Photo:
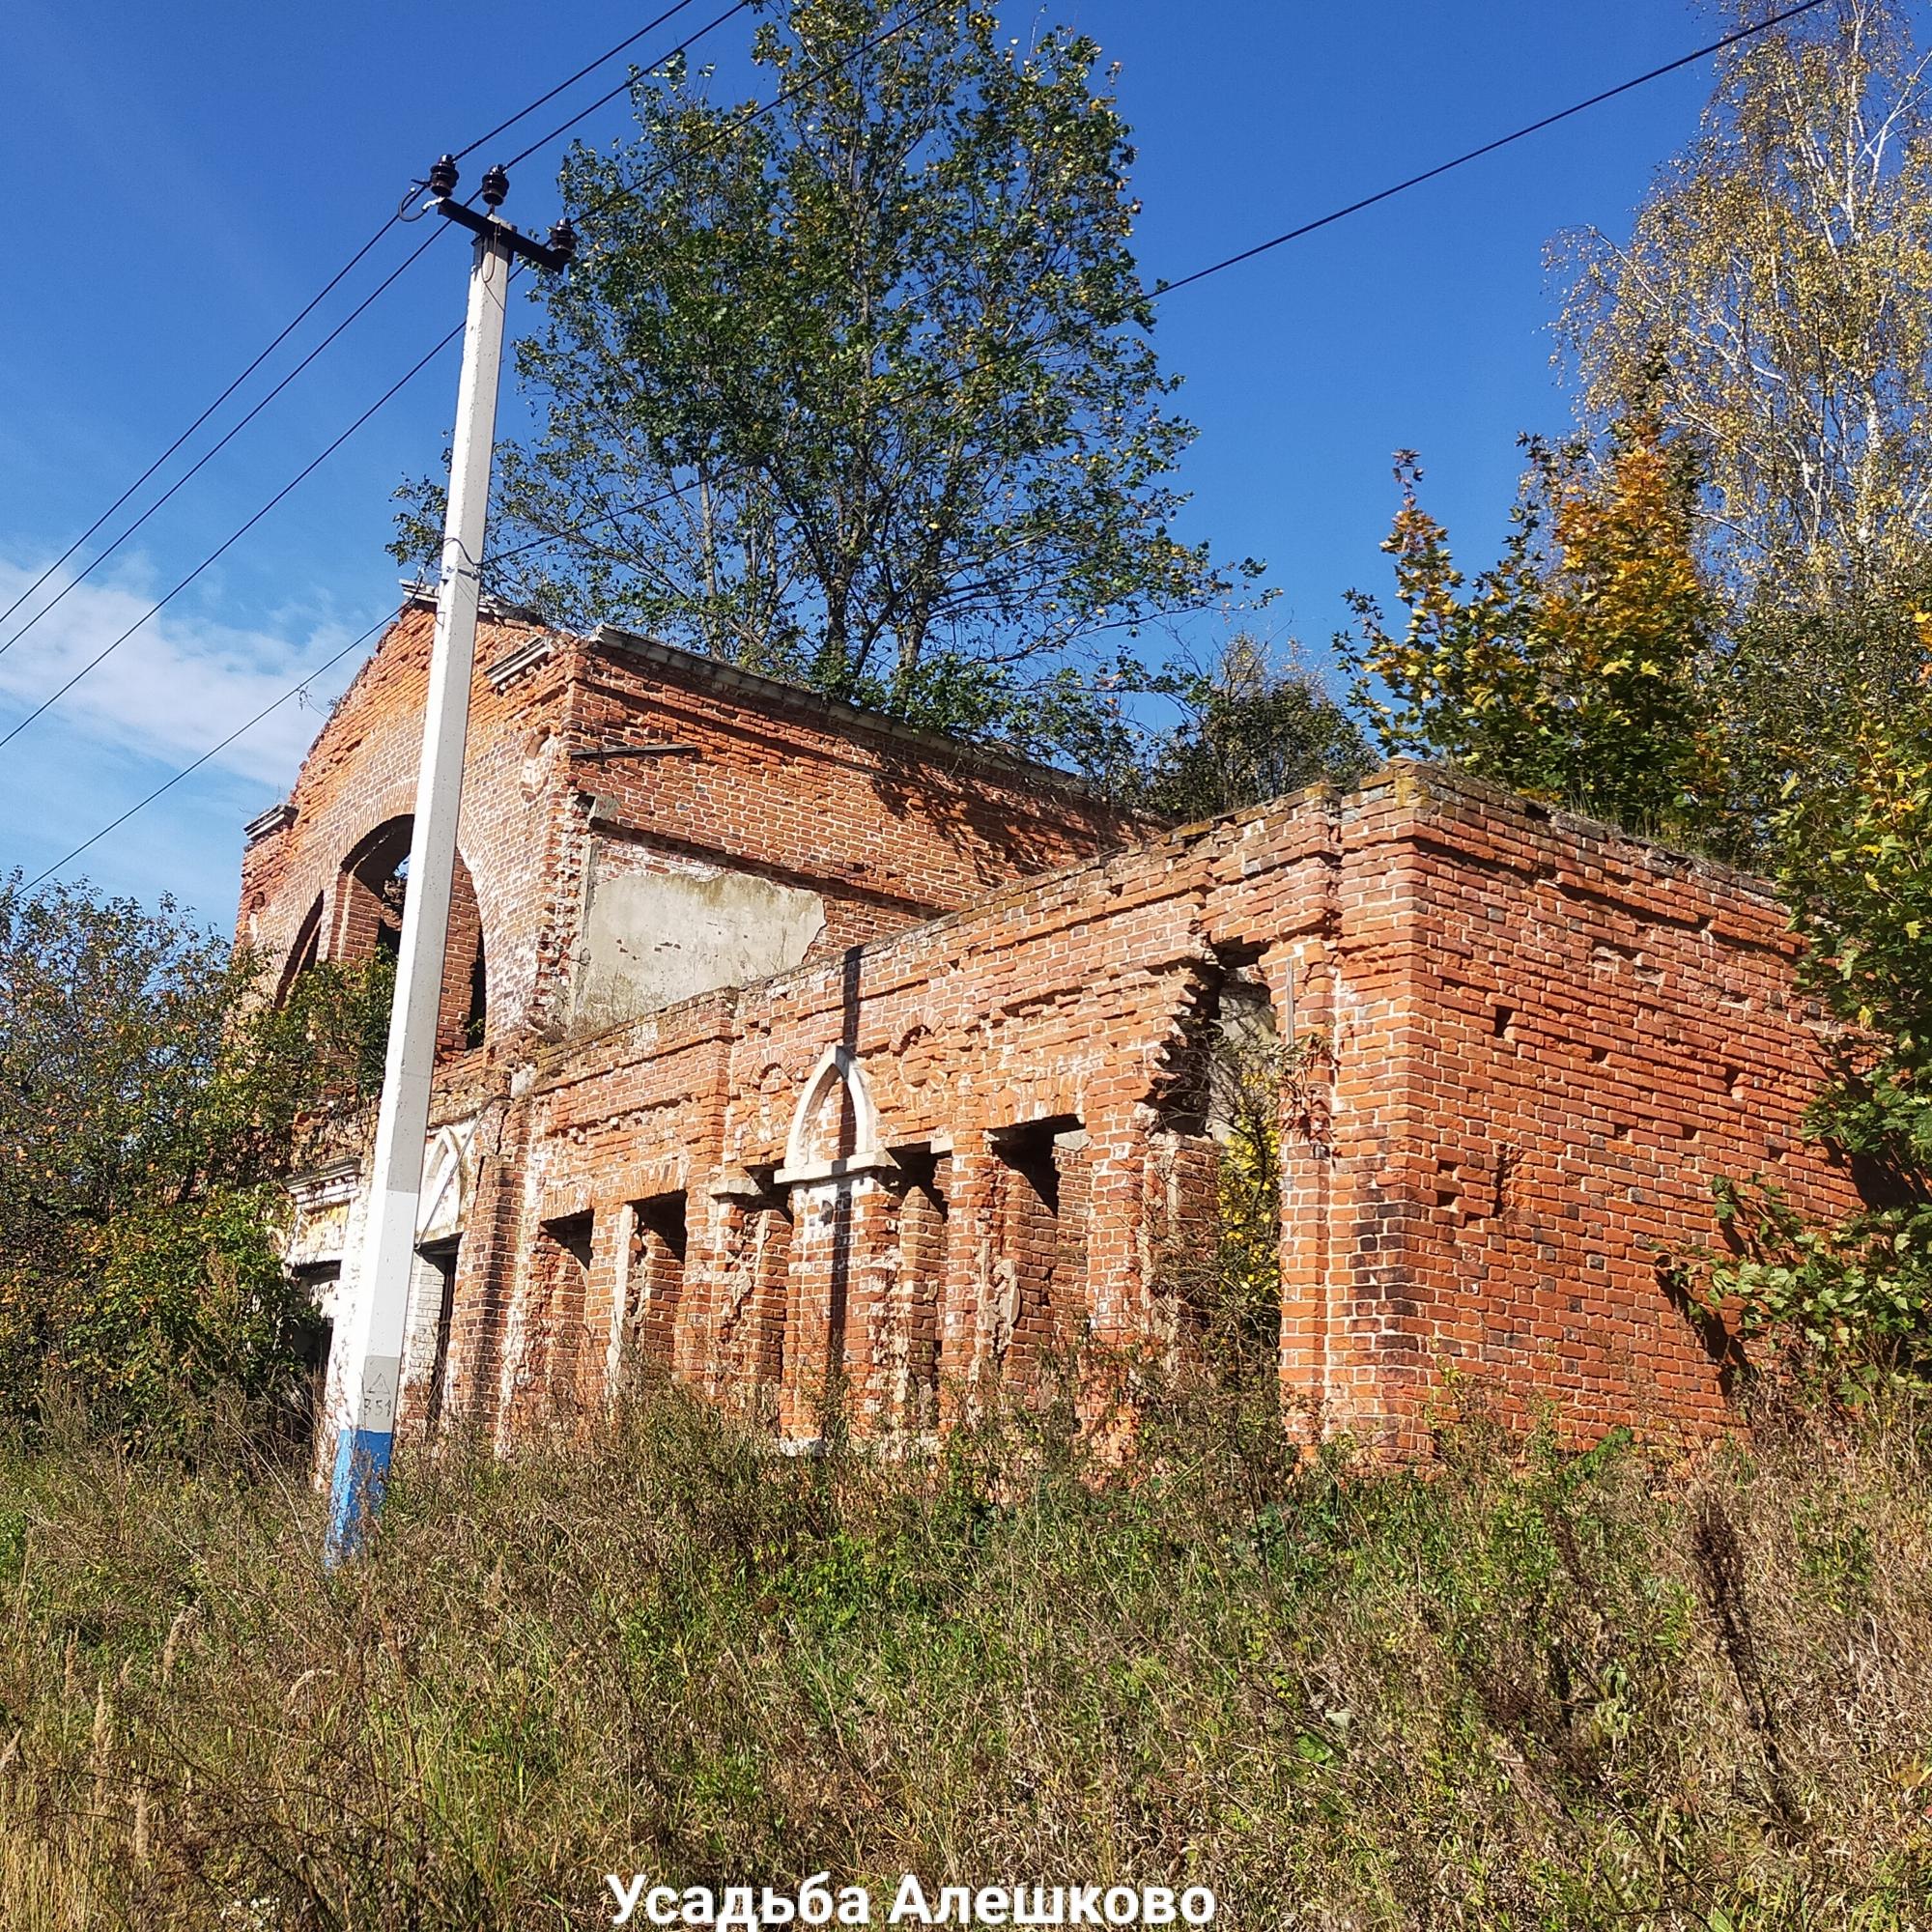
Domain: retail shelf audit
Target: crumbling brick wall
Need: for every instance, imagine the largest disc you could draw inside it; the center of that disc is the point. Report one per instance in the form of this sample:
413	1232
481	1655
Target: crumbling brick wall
602	758
1577	1032
936	1154
1533	1043
597	764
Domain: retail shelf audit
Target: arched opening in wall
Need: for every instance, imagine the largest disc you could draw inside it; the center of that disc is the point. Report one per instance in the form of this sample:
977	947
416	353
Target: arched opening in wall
303	954
372	890
1216	1184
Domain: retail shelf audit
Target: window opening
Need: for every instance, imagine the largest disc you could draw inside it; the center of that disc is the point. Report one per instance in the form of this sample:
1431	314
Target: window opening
1039	1268
565	1282
438	1278
658	1241
924	1233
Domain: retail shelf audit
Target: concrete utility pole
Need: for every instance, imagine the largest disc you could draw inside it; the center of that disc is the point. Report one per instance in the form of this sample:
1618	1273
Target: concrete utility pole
372	1347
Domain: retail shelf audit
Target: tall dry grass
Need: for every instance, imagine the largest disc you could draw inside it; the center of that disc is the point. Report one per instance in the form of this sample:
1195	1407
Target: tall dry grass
1525	1688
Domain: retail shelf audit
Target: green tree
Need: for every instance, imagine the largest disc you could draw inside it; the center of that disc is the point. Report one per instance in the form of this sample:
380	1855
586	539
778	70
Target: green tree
1579	669
1774	301
150	1100
1248	732
1850	1302
858	391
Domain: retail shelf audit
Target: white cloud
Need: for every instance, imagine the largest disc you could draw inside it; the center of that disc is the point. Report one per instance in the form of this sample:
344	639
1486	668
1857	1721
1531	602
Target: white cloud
177	686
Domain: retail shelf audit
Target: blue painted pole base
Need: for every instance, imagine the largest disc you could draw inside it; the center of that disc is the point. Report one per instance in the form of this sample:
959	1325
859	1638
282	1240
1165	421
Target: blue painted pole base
356	1491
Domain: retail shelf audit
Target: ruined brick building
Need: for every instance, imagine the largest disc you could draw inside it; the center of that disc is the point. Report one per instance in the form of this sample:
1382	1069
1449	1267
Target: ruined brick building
779	1036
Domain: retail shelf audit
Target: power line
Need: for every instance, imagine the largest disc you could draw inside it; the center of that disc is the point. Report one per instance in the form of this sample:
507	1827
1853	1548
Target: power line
216	749
1161	289
327	289
544	99
592	210
215	449
605	100
54	697
777	99
241	530
1489	147
608	201
1165	288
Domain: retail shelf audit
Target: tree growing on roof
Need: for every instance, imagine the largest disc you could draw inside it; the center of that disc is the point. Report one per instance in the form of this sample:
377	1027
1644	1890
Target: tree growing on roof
1250	729
1585	665
860	392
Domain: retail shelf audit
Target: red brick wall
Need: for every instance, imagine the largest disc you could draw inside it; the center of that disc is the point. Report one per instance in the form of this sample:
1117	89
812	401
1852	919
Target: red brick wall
1527	1046
1535	1044
1554	1039
362	774
888	825
897	824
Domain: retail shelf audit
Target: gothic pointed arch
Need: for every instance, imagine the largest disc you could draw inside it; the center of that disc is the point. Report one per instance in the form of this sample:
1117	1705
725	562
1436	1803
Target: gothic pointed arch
372	886
836	1119
302	954
448	1183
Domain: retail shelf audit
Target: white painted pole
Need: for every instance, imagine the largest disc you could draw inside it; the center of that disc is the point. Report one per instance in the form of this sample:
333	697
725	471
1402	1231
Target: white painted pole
371	1356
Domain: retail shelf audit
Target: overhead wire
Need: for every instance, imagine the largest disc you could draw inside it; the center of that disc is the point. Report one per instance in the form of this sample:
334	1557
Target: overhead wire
624	87
214	751
630	189
321	295
589	68
1167	287
216	449
1715	46
54	697
327	289
241	530
1160	289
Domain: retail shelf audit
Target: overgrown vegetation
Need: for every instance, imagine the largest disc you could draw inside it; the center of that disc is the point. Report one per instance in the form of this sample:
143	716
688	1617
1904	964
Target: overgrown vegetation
1771	300
1249	730
1527	1689
1579	669
151	1097
1849	1305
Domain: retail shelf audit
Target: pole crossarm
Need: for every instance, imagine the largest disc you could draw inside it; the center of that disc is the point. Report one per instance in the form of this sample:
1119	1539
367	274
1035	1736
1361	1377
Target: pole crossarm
554	255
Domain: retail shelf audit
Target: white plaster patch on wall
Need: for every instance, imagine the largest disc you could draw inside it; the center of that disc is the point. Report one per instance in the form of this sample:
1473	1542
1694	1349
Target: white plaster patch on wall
654	936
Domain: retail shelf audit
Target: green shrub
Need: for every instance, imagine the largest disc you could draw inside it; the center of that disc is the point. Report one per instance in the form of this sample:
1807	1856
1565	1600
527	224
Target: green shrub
152	1094
1847	1305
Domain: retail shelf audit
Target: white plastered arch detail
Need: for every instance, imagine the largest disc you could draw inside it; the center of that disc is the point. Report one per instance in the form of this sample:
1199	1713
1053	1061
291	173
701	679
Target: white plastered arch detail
838	1064
448	1183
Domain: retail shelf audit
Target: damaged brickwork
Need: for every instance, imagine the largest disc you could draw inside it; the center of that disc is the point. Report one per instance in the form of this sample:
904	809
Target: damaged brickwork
784	1046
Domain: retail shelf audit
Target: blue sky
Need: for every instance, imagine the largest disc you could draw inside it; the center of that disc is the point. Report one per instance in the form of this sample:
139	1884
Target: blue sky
184	178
